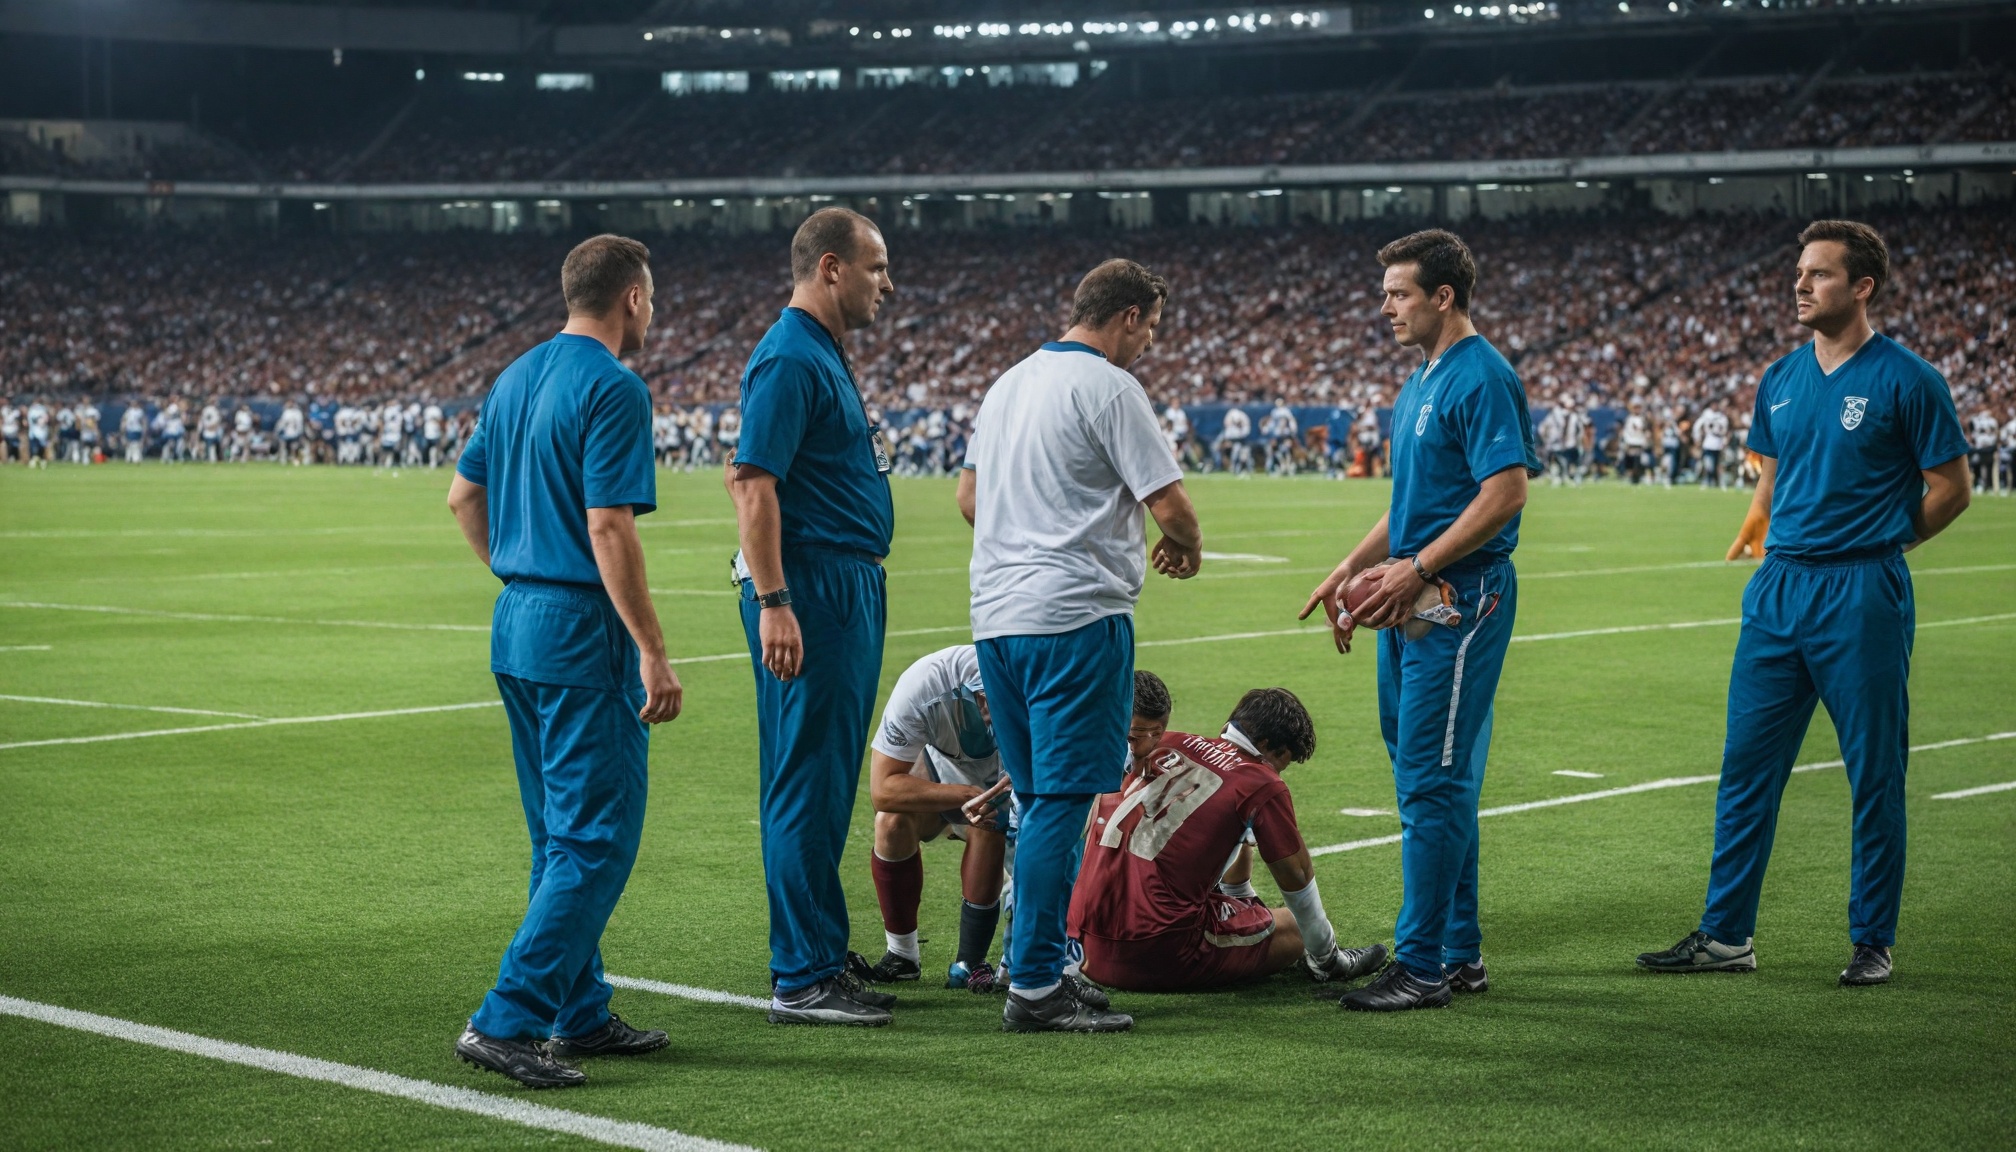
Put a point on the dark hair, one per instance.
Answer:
(1272, 718)
(1439, 257)
(1867, 254)
(1151, 696)
(835, 230)
(599, 270)
(1112, 288)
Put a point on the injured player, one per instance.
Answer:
(934, 770)
(1149, 908)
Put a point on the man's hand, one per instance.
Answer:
(1394, 592)
(783, 644)
(1330, 595)
(663, 694)
(1174, 560)
(1750, 539)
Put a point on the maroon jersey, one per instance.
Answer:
(1158, 846)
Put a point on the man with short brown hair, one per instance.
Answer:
(1462, 451)
(565, 445)
(1065, 456)
(811, 490)
(1861, 459)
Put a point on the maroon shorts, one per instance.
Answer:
(1184, 961)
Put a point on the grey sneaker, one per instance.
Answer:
(827, 1002)
(1467, 978)
(1699, 953)
(1870, 965)
(522, 1060)
(1060, 1011)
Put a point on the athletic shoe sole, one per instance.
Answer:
(1015, 1026)
(827, 1016)
(1738, 964)
(475, 1063)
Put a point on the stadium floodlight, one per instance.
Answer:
(564, 82)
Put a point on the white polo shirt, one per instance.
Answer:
(1064, 449)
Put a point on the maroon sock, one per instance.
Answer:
(899, 887)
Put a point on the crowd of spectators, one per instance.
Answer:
(1603, 310)
(977, 129)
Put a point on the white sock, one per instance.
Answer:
(1036, 993)
(1243, 889)
(903, 944)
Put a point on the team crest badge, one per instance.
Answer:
(1852, 410)
(1421, 422)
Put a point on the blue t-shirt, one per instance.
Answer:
(566, 428)
(803, 422)
(1850, 447)
(1453, 428)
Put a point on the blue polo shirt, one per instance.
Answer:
(803, 422)
(1453, 427)
(566, 428)
(1850, 447)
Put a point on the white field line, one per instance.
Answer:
(708, 659)
(207, 533)
(24, 647)
(275, 573)
(232, 618)
(273, 723)
(1245, 558)
(601, 1129)
(1675, 626)
(127, 707)
(686, 992)
(966, 628)
(1984, 790)
(1578, 775)
(1654, 786)
(715, 522)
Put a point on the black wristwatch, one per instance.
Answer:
(777, 599)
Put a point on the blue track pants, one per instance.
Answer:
(1838, 633)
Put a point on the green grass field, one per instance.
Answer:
(343, 890)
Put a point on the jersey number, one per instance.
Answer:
(1165, 802)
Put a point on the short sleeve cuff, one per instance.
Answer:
(779, 469)
(469, 470)
(1159, 483)
(1509, 456)
(896, 751)
(1942, 455)
(640, 503)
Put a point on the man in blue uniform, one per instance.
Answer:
(811, 492)
(1863, 459)
(565, 444)
(1462, 449)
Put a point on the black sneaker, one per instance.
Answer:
(521, 1060)
(612, 1039)
(1396, 990)
(1466, 978)
(1060, 1011)
(826, 1002)
(1870, 965)
(1088, 993)
(1345, 964)
(859, 990)
(1699, 952)
(891, 969)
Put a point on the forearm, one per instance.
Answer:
(1497, 501)
(1176, 516)
(619, 556)
(470, 504)
(1948, 490)
(759, 528)
(898, 791)
(968, 494)
(1373, 549)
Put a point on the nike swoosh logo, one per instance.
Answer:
(1779, 404)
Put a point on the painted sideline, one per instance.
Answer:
(618, 1133)
(1984, 790)
(232, 618)
(330, 719)
(685, 991)
(1660, 785)
(127, 707)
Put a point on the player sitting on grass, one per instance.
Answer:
(1148, 908)
(934, 753)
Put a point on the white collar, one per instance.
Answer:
(1232, 735)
